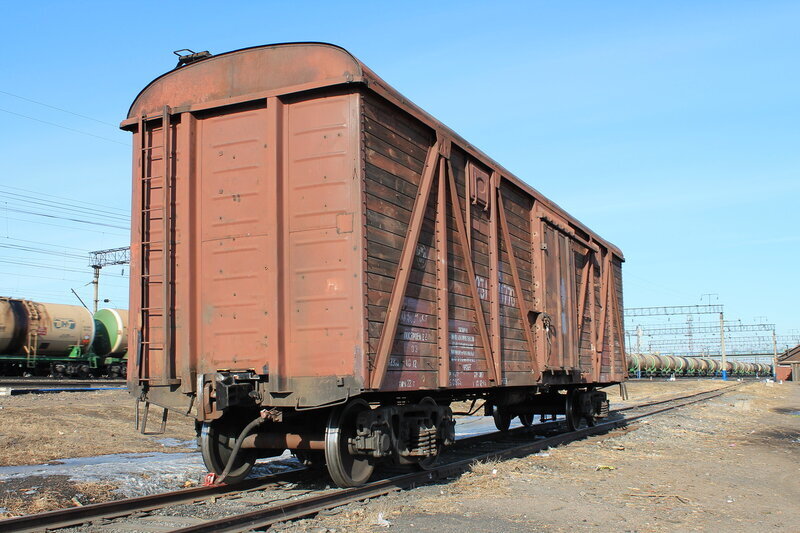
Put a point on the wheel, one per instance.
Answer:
(571, 412)
(216, 442)
(427, 463)
(590, 420)
(83, 371)
(526, 420)
(345, 469)
(502, 420)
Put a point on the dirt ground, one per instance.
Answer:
(36, 428)
(730, 464)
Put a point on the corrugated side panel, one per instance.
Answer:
(323, 262)
(235, 265)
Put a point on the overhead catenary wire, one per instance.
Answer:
(66, 294)
(74, 228)
(15, 197)
(31, 294)
(58, 108)
(60, 217)
(60, 268)
(25, 207)
(63, 278)
(43, 251)
(64, 199)
(60, 246)
(65, 127)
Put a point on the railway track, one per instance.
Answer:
(259, 503)
(16, 387)
(36, 383)
(732, 379)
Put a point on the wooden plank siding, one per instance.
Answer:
(395, 148)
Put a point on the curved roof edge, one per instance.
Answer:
(227, 76)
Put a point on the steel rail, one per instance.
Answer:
(62, 518)
(667, 400)
(74, 516)
(312, 505)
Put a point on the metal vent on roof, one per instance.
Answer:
(190, 57)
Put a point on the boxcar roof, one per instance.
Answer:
(276, 69)
(792, 355)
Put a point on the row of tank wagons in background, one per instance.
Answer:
(667, 365)
(61, 340)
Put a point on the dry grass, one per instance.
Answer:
(57, 495)
(38, 428)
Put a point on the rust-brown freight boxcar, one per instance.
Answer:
(318, 264)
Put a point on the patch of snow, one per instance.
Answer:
(169, 442)
(472, 426)
(139, 474)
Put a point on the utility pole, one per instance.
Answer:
(774, 356)
(722, 347)
(639, 352)
(639, 339)
(102, 258)
(96, 283)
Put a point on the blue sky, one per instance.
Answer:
(671, 129)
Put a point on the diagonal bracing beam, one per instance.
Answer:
(404, 268)
(476, 301)
(523, 306)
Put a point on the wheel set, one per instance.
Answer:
(345, 469)
(576, 405)
(355, 438)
